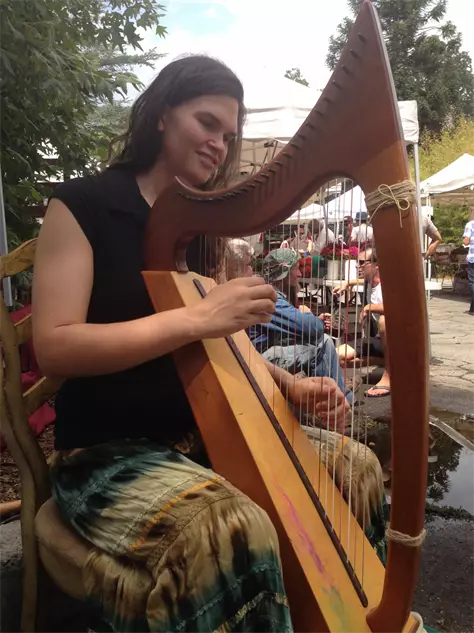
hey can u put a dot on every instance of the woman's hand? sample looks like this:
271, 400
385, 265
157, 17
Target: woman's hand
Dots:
234, 306
322, 397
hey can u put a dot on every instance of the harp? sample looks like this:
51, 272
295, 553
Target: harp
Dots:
334, 580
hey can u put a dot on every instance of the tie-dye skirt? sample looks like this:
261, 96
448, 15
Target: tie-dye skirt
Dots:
176, 547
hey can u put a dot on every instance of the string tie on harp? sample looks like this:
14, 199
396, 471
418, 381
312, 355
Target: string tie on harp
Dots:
406, 539
402, 195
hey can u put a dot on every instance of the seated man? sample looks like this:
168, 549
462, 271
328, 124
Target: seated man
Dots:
295, 340
374, 350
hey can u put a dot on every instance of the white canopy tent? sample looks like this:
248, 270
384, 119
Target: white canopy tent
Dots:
277, 106
452, 185
312, 212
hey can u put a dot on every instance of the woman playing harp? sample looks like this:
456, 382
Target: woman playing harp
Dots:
188, 550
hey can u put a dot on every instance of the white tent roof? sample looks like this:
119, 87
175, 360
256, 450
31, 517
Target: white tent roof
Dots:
277, 106
454, 183
312, 212
349, 203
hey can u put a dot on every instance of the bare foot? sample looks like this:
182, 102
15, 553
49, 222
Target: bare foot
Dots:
381, 389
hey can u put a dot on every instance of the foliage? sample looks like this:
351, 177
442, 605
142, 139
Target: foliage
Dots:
438, 151
425, 54
450, 222
59, 62
295, 75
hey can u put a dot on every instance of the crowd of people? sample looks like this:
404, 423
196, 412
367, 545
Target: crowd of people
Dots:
300, 330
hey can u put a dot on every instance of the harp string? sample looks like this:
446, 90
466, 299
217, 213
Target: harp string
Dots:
315, 291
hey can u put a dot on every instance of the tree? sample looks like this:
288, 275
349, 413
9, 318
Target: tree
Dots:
108, 121
295, 75
427, 62
437, 152
59, 61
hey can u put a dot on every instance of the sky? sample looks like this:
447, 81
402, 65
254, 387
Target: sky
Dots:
266, 35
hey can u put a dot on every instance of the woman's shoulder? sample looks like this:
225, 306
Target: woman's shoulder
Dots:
92, 187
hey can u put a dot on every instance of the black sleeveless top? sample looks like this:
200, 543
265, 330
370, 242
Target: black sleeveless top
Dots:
144, 401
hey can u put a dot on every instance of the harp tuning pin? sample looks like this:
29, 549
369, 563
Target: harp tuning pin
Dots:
287, 155
345, 69
294, 144
361, 37
278, 162
302, 136
272, 170
310, 125
327, 100
264, 175
319, 112
354, 53
251, 185
334, 83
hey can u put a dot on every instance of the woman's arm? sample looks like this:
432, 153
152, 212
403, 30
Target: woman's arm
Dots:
67, 346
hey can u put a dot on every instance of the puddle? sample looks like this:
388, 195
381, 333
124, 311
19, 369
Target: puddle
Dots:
450, 473
450, 462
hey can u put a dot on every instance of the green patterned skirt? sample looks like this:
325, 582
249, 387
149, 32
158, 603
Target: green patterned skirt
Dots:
176, 547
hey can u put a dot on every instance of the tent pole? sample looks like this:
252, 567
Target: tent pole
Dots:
7, 285
420, 230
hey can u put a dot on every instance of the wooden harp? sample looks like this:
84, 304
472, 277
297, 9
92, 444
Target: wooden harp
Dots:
334, 581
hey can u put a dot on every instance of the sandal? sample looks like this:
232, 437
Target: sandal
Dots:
378, 395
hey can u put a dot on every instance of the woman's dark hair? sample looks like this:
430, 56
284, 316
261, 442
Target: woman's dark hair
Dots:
180, 81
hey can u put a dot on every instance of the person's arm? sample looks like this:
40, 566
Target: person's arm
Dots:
374, 308
305, 327
344, 287
67, 346
466, 236
320, 396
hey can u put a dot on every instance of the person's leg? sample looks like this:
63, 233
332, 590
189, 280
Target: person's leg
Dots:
327, 364
470, 278
367, 354
382, 388
176, 547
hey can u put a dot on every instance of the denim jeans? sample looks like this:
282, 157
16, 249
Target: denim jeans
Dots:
314, 360
470, 278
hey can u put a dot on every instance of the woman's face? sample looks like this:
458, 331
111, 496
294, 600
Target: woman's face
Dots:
196, 136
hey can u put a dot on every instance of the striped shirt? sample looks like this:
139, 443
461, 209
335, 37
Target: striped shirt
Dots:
469, 232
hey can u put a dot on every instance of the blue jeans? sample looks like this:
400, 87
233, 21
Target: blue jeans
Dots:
470, 278
315, 360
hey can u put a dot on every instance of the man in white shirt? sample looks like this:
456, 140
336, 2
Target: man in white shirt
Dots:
468, 240
373, 350
361, 232
322, 237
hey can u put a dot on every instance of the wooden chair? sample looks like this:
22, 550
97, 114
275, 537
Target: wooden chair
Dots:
48, 544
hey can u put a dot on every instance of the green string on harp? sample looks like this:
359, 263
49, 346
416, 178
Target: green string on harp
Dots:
401, 195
